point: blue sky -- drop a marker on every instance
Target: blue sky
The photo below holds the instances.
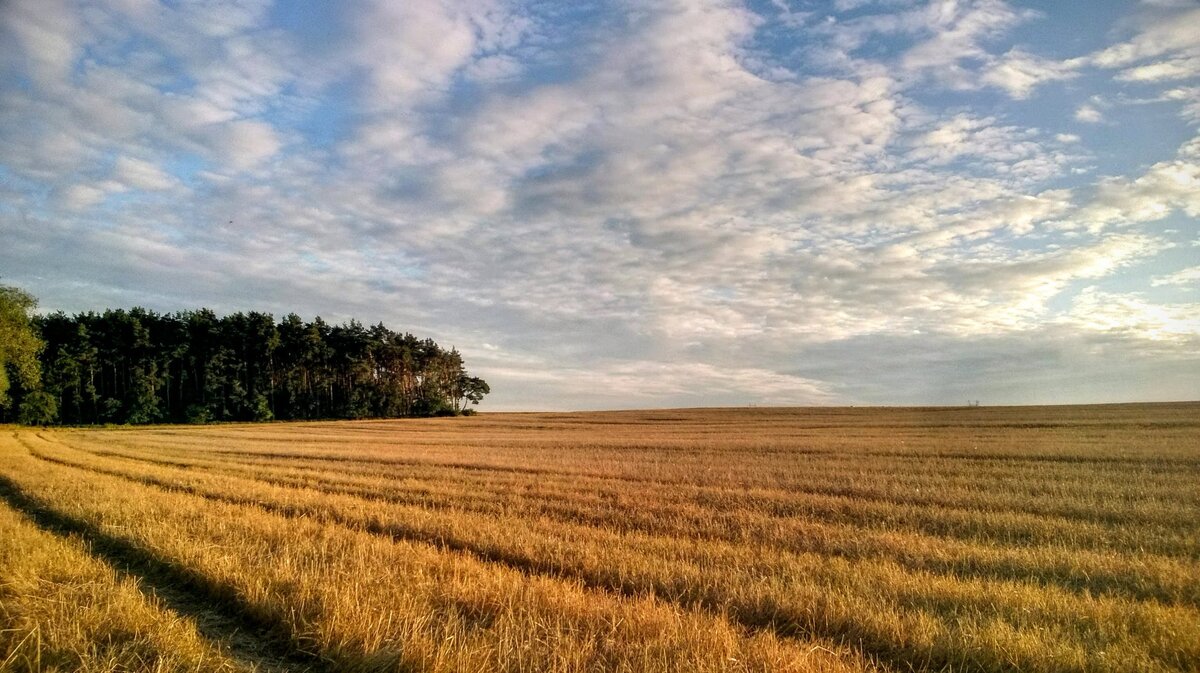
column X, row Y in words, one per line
column 638, row 204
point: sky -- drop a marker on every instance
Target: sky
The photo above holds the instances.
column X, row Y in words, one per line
column 635, row 204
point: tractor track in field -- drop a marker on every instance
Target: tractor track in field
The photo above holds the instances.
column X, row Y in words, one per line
column 827, row 511
column 396, row 530
column 1064, row 515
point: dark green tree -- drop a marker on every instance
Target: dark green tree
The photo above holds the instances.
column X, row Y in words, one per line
column 472, row 389
column 138, row 366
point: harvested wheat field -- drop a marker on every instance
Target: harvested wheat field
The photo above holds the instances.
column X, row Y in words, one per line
column 964, row 539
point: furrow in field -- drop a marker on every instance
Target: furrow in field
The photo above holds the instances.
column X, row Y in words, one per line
column 499, row 454
column 970, row 443
column 852, row 429
column 1137, row 576
column 796, row 472
column 1073, row 493
column 870, row 602
column 366, row 603
column 1130, row 507
column 1140, row 576
column 751, row 516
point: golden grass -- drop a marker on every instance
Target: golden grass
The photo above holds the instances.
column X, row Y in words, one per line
column 1035, row 539
column 63, row 610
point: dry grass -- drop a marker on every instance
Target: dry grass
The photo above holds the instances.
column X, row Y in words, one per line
column 1033, row 539
column 64, row 610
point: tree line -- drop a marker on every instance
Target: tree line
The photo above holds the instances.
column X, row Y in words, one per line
column 137, row 366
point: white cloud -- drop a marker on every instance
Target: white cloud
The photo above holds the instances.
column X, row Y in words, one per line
column 981, row 138
column 250, row 72
column 1180, row 68
column 494, row 68
column 641, row 383
column 1130, row 316
column 79, row 197
column 224, row 18
column 140, row 174
column 958, row 30
column 1088, row 114
column 1018, row 72
column 1190, row 96
column 410, row 50
column 1189, row 278
column 1171, row 32
column 1165, row 48
column 1165, row 187
column 1013, row 292
column 186, row 113
column 47, row 32
column 244, row 143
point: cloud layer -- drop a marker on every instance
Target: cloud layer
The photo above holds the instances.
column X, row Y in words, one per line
column 642, row 204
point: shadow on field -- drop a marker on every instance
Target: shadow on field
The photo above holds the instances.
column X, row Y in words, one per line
column 218, row 612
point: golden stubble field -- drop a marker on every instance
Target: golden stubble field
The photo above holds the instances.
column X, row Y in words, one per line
column 985, row 539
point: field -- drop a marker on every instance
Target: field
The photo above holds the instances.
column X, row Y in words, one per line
column 970, row 539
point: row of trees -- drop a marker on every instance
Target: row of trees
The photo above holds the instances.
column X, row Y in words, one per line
column 139, row 366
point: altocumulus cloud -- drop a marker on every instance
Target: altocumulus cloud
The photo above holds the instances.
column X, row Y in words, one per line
column 621, row 204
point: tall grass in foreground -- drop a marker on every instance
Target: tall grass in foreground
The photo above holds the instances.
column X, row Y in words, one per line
column 63, row 610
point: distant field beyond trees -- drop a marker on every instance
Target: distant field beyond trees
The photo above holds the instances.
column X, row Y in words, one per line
column 1051, row 539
